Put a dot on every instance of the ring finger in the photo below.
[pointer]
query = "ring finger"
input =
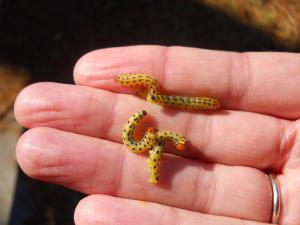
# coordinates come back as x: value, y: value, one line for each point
x: 96, y: 166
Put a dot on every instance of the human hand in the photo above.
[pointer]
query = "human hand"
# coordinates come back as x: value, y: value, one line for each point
x: 75, y: 137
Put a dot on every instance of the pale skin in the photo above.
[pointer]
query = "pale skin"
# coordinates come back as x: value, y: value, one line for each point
x: 75, y: 137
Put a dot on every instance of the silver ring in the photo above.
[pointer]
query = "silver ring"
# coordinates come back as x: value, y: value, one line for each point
x: 276, y: 199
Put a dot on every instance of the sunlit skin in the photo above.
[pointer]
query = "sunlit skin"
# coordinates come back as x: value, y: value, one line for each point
x: 74, y: 137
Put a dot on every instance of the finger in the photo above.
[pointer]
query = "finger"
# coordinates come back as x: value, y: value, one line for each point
x: 233, y: 137
x: 93, y: 166
x: 100, y: 209
x: 259, y: 82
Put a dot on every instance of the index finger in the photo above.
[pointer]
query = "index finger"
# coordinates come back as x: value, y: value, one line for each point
x: 258, y: 82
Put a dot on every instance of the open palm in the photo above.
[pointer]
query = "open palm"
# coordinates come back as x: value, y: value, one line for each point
x: 75, y: 137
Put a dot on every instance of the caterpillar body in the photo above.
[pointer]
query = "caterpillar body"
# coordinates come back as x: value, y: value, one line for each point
x: 152, y: 141
x: 154, y: 96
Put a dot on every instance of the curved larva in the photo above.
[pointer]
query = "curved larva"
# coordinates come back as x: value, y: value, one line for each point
x: 139, y: 79
x: 154, y: 96
x: 177, y: 139
x: 153, y: 141
x: 146, y: 143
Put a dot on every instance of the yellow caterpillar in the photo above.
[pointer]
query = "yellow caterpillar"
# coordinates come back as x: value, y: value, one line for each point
x: 146, y: 143
x: 154, y: 96
x: 153, y: 141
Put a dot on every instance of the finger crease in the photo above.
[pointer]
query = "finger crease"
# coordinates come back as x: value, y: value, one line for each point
x: 118, y: 178
x: 247, y: 77
x: 109, y: 122
x: 165, y: 67
x: 187, y: 127
x: 207, y: 133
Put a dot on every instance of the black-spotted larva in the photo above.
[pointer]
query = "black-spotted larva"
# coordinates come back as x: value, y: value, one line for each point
x: 154, y: 96
x: 153, y: 141
x: 146, y: 143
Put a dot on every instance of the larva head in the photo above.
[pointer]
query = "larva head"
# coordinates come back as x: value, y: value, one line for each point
x: 151, y: 130
x: 123, y: 79
x: 118, y: 78
x: 180, y: 145
x: 151, y: 98
x: 216, y: 104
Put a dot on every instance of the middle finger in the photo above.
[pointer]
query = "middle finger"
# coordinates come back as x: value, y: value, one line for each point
x: 228, y: 137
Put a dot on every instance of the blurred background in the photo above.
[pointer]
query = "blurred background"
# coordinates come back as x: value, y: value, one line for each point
x: 42, y: 40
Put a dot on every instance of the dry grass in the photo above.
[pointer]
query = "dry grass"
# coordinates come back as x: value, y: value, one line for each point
x: 278, y: 18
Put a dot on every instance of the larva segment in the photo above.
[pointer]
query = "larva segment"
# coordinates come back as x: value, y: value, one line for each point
x: 155, y: 155
x: 203, y: 103
x: 139, y: 80
x: 177, y: 139
x: 146, y: 143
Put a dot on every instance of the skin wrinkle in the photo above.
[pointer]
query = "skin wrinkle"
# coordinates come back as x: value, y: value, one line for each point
x: 207, y: 207
x: 213, y: 193
x: 165, y: 67
x: 45, y: 152
x: 30, y: 91
x: 91, y: 100
x: 282, y: 154
x: 208, y: 132
x: 230, y: 79
x: 245, y: 60
x: 84, y: 68
x: 40, y: 116
x: 195, y: 190
x: 175, y: 215
x: 119, y: 178
x: 113, y: 107
x: 105, y: 126
x: 187, y: 125
x: 287, y: 144
x: 196, y: 203
x: 44, y: 114
x: 42, y: 168
x: 55, y: 121
x: 79, y: 119
x: 53, y: 173
x: 94, y: 174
